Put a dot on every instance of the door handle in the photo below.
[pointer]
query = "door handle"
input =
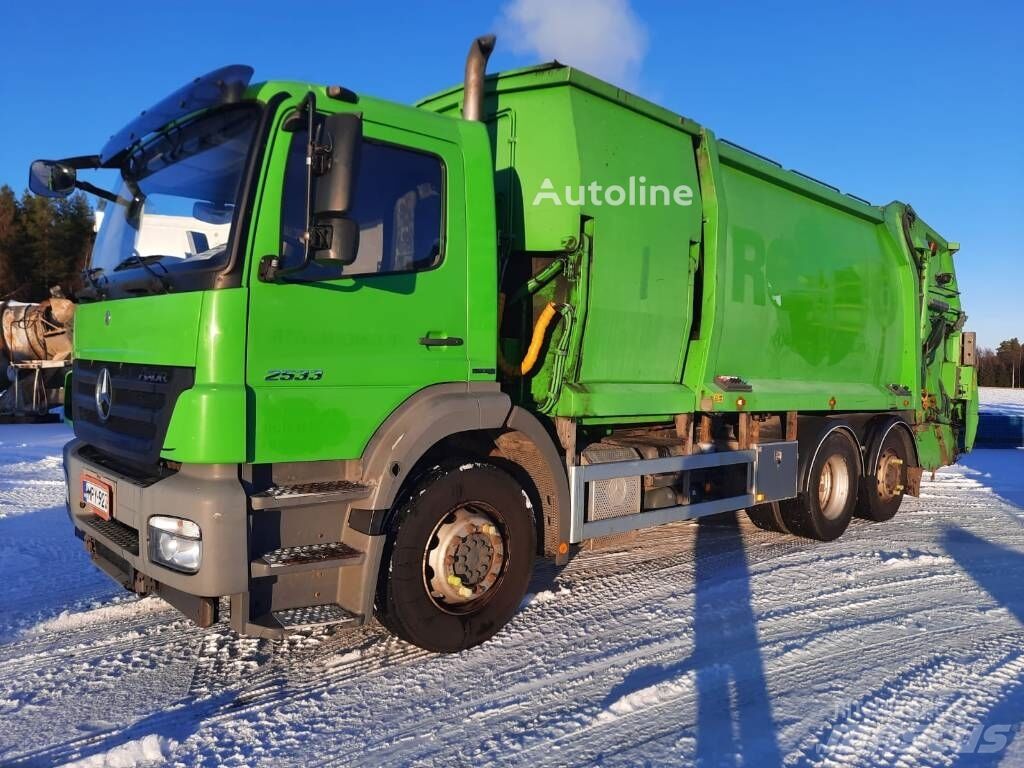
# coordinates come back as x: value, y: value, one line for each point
x: 446, y: 341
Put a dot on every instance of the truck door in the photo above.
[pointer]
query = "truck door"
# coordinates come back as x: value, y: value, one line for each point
x: 333, y: 350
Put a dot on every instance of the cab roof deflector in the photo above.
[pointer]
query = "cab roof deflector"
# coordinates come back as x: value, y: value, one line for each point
x: 222, y: 86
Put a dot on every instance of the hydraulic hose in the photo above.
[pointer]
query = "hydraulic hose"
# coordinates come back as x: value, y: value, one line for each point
x: 560, y: 353
x: 540, y: 330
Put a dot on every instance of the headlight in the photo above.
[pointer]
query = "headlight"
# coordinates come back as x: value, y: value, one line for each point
x: 175, y: 543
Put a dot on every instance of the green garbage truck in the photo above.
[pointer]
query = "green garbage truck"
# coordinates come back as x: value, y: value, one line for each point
x: 338, y: 359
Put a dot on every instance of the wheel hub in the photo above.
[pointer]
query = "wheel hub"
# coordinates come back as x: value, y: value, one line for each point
x: 473, y: 558
x: 889, y: 475
x: 464, y: 557
x: 833, y: 487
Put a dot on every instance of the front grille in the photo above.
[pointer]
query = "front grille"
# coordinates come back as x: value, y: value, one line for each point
x: 122, y: 535
x: 142, y: 400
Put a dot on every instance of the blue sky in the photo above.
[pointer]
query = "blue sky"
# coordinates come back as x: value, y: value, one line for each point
x: 918, y: 101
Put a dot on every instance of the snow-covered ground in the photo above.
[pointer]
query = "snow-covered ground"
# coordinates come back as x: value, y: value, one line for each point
x: 900, y: 644
x: 1001, y: 400
x: 1001, y: 418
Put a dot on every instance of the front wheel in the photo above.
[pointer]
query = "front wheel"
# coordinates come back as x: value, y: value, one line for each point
x: 461, y: 550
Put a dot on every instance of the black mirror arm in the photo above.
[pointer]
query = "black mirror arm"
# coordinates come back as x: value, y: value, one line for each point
x: 85, y: 186
x: 82, y: 162
x: 310, y: 103
x: 270, y: 268
x: 86, y: 162
x: 272, y: 272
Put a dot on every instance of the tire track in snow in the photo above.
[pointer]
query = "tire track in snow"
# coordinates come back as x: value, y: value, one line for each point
x: 937, y: 704
x: 602, y: 736
x: 357, y: 696
x: 561, y: 684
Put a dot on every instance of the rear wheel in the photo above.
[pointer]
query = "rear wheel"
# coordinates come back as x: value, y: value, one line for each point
x: 882, y: 493
x: 768, y: 517
x: 823, y: 510
x: 461, y: 551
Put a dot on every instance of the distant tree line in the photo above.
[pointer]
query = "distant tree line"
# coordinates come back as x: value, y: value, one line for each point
x: 1003, y: 366
x: 43, y: 243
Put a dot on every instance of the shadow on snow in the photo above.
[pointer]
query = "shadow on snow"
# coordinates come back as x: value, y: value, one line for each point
x: 1000, y: 572
x: 734, y: 713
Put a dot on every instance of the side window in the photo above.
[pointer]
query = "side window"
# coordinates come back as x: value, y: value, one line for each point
x: 398, y: 204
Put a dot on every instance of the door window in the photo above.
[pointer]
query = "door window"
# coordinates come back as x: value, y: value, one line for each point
x: 398, y: 203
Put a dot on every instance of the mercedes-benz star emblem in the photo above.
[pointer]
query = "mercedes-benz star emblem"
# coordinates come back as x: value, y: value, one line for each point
x: 104, y: 394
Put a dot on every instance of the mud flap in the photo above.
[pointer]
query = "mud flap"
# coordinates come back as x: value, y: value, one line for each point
x: 203, y: 611
x: 913, y: 484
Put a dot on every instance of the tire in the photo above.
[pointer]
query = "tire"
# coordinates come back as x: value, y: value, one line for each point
x: 882, y: 493
x: 823, y: 509
x: 768, y: 517
x: 459, y: 558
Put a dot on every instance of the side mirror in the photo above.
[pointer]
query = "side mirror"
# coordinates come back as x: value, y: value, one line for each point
x: 335, y: 237
x: 48, y: 178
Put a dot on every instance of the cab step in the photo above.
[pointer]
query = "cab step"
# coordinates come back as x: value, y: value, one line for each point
x: 303, y: 494
x: 311, y: 557
x: 315, y: 616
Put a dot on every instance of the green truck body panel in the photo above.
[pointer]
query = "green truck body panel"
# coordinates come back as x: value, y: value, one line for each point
x: 219, y: 398
x: 810, y: 296
x: 161, y: 330
x: 363, y: 332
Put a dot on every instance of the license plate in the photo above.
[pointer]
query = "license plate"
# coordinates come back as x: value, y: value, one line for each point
x: 97, y: 496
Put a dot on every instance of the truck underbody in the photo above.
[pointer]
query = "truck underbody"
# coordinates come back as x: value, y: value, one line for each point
x: 317, y: 531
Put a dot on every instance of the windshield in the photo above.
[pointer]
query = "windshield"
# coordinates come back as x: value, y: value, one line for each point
x: 176, y: 202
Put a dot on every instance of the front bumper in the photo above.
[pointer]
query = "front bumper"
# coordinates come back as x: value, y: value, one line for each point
x: 269, y: 553
x: 211, y: 495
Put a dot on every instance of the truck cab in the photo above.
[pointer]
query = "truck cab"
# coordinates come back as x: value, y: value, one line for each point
x: 215, y: 387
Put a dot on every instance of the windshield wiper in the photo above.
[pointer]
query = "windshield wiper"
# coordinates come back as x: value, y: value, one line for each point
x: 146, y: 263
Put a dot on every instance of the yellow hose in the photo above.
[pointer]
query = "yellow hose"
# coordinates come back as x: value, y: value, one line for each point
x: 539, y: 332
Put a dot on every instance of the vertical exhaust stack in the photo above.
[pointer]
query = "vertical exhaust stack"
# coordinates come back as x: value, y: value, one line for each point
x: 476, y: 66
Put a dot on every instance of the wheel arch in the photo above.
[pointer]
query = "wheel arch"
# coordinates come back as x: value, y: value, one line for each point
x: 529, y: 445
x: 420, y: 423
x: 812, y: 434
x: 877, y: 432
x: 475, y: 422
